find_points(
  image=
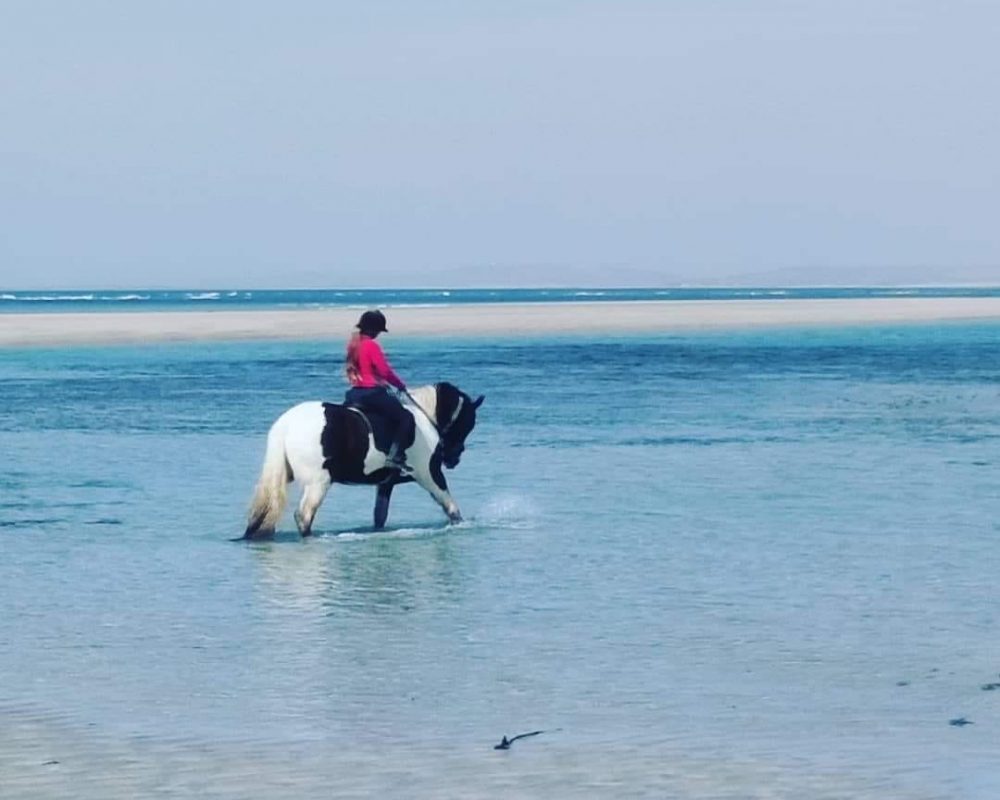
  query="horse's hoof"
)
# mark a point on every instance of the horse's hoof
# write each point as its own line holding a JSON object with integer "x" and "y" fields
{"x": 255, "y": 537}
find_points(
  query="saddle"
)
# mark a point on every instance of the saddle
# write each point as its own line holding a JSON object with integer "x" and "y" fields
{"x": 379, "y": 426}
{"x": 345, "y": 440}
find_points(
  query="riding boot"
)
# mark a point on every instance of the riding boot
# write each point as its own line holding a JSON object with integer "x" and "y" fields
{"x": 397, "y": 459}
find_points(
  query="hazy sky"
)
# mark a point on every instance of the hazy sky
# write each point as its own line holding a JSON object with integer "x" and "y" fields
{"x": 181, "y": 143}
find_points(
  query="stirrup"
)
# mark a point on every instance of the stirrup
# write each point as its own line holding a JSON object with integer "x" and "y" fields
{"x": 399, "y": 466}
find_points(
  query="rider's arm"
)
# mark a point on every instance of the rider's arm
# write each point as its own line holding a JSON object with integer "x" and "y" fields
{"x": 382, "y": 368}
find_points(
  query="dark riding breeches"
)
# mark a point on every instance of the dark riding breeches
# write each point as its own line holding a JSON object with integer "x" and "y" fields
{"x": 379, "y": 400}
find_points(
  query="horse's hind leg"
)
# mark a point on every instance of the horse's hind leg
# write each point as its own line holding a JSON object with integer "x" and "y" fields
{"x": 312, "y": 497}
{"x": 384, "y": 493}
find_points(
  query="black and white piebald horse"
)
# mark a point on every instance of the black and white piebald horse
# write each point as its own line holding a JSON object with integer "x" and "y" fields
{"x": 318, "y": 444}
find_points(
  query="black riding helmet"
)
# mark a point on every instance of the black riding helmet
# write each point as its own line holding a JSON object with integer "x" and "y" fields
{"x": 372, "y": 323}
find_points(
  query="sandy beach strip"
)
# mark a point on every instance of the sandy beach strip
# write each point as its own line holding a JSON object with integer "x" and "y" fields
{"x": 502, "y": 319}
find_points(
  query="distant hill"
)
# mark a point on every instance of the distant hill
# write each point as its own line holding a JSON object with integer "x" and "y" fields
{"x": 861, "y": 276}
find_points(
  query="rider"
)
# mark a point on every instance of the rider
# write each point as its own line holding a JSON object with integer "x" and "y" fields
{"x": 370, "y": 376}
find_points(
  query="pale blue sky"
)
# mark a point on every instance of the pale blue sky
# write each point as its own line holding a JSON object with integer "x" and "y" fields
{"x": 179, "y": 143}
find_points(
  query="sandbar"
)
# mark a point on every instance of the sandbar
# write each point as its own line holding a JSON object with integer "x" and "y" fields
{"x": 492, "y": 320}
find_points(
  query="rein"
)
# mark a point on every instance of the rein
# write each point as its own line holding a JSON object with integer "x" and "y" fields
{"x": 441, "y": 431}
{"x": 423, "y": 411}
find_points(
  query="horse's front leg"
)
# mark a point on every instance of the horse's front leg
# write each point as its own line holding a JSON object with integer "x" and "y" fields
{"x": 432, "y": 479}
{"x": 383, "y": 494}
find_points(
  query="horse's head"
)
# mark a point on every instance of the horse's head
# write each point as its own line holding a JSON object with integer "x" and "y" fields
{"x": 456, "y": 417}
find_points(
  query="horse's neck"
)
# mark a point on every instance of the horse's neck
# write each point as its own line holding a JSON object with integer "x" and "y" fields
{"x": 426, "y": 398}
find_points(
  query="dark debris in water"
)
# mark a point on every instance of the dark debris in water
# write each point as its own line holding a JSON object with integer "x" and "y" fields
{"x": 990, "y": 687}
{"x": 26, "y": 523}
{"x": 505, "y": 743}
{"x": 960, "y": 722}
{"x": 98, "y": 483}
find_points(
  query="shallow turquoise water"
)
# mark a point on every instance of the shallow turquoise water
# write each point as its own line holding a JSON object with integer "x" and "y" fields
{"x": 730, "y": 565}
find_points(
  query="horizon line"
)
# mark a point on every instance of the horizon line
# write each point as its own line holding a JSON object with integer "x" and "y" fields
{"x": 539, "y": 287}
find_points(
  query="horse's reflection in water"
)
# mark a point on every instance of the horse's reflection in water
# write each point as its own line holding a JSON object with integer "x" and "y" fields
{"x": 321, "y": 578}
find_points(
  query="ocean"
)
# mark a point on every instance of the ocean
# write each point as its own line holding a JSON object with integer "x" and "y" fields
{"x": 177, "y": 300}
{"x": 730, "y": 565}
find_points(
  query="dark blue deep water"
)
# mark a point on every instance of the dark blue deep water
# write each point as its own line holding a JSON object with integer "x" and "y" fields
{"x": 220, "y": 299}
{"x": 729, "y": 565}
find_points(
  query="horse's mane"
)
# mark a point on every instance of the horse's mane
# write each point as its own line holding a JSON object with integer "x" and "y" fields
{"x": 426, "y": 398}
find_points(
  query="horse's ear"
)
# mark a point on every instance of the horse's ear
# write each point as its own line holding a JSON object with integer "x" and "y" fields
{"x": 478, "y": 401}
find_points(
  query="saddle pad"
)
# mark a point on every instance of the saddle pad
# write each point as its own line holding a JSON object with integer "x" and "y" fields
{"x": 379, "y": 426}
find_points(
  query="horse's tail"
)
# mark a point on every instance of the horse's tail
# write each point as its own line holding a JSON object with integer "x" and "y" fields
{"x": 270, "y": 496}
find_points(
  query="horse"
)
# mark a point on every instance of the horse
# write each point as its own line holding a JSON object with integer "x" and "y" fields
{"x": 319, "y": 444}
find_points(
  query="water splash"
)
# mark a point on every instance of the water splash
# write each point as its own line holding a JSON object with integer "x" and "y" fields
{"x": 511, "y": 510}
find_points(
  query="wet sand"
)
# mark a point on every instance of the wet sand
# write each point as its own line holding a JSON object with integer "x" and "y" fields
{"x": 44, "y": 757}
{"x": 27, "y": 330}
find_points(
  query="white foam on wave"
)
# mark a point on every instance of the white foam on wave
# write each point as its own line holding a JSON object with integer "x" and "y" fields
{"x": 391, "y": 533}
{"x": 202, "y": 295}
{"x": 53, "y": 298}
{"x": 387, "y": 305}
{"x": 8, "y": 297}
{"x": 506, "y": 511}
{"x": 126, "y": 297}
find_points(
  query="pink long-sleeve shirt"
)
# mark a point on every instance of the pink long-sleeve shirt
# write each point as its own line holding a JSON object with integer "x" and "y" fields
{"x": 367, "y": 366}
